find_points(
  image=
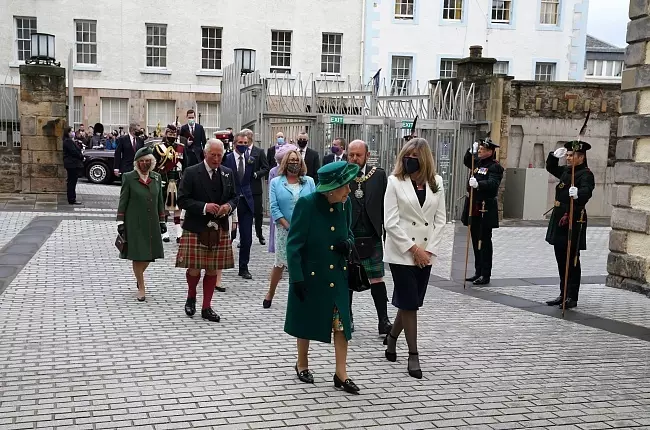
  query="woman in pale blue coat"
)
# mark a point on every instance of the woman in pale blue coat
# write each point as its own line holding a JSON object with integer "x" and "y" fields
{"x": 291, "y": 183}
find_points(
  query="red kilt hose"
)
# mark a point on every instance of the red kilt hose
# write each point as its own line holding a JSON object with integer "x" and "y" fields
{"x": 193, "y": 255}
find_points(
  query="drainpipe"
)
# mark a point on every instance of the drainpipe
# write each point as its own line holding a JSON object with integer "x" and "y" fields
{"x": 363, "y": 39}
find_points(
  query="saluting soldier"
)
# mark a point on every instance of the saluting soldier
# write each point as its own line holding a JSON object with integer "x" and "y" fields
{"x": 368, "y": 191}
{"x": 557, "y": 233}
{"x": 485, "y": 180}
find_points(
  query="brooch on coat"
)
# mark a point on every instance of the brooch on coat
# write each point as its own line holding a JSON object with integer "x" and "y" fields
{"x": 359, "y": 192}
{"x": 251, "y": 160}
{"x": 224, "y": 174}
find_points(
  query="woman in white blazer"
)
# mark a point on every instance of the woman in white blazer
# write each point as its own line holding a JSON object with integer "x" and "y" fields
{"x": 414, "y": 215}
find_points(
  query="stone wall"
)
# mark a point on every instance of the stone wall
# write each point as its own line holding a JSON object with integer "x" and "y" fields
{"x": 628, "y": 263}
{"x": 43, "y": 114}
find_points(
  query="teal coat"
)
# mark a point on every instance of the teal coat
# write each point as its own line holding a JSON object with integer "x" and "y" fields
{"x": 316, "y": 226}
{"x": 141, "y": 208}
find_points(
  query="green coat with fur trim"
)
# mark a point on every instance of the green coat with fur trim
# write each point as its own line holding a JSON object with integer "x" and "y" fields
{"x": 316, "y": 226}
{"x": 141, "y": 207}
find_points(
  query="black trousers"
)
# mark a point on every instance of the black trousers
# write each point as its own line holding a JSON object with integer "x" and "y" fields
{"x": 73, "y": 176}
{"x": 573, "y": 286}
{"x": 258, "y": 214}
{"x": 482, "y": 257}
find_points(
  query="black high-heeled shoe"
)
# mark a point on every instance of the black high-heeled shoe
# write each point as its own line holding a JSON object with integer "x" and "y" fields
{"x": 305, "y": 375}
{"x": 347, "y": 385}
{"x": 414, "y": 373}
{"x": 390, "y": 356}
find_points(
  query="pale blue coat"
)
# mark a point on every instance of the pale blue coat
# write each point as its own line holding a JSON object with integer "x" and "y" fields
{"x": 281, "y": 198}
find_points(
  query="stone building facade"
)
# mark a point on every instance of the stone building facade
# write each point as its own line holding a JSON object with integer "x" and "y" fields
{"x": 628, "y": 263}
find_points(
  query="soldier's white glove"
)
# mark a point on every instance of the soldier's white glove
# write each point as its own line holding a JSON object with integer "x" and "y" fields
{"x": 475, "y": 148}
{"x": 573, "y": 192}
{"x": 559, "y": 153}
{"x": 473, "y": 182}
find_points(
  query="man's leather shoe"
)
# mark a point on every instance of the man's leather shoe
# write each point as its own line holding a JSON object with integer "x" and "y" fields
{"x": 190, "y": 307}
{"x": 569, "y": 304}
{"x": 245, "y": 274}
{"x": 385, "y": 326}
{"x": 555, "y": 301}
{"x": 262, "y": 241}
{"x": 472, "y": 278}
{"x": 210, "y": 315}
{"x": 481, "y": 280}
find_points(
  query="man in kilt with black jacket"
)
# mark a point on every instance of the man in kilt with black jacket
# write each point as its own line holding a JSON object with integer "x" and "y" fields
{"x": 367, "y": 195}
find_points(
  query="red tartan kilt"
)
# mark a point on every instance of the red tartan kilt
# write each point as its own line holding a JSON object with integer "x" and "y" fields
{"x": 193, "y": 255}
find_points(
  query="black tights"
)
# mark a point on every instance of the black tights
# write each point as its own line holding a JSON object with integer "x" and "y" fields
{"x": 407, "y": 321}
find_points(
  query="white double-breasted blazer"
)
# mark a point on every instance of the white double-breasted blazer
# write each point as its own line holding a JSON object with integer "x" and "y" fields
{"x": 408, "y": 224}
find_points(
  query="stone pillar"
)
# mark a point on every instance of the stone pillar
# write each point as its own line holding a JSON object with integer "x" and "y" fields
{"x": 628, "y": 263}
{"x": 43, "y": 112}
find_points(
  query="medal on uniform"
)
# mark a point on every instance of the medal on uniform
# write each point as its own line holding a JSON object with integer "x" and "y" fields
{"x": 358, "y": 193}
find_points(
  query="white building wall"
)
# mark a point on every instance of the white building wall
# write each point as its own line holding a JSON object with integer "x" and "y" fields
{"x": 428, "y": 38}
{"x": 121, "y": 35}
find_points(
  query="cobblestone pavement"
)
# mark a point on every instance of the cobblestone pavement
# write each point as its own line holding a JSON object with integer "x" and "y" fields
{"x": 77, "y": 351}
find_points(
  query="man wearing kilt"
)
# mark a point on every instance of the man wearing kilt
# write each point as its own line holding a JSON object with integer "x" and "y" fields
{"x": 367, "y": 195}
{"x": 207, "y": 194}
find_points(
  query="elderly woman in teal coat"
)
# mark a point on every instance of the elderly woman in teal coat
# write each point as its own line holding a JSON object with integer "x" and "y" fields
{"x": 320, "y": 239}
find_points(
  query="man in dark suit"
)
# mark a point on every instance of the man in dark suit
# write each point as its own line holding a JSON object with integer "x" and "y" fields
{"x": 126, "y": 148}
{"x": 260, "y": 171}
{"x": 243, "y": 168}
{"x": 207, "y": 194}
{"x": 193, "y": 132}
{"x": 337, "y": 152}
{"x": 367, "y": 196}
{"x": 270, "y": 154}
{"x": 311, "y": 157}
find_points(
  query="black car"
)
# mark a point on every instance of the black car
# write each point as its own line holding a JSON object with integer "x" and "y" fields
{"x": 98, "y": 164}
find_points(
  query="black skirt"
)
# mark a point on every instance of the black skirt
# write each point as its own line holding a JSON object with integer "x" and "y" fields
{"x": 409, "y": 286}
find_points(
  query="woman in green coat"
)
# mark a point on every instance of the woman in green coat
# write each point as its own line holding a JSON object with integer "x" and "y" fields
{"x": 141, "y": 216}
{"x": 320, "y": 239}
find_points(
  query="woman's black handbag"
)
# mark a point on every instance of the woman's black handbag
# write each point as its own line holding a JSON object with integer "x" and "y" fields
{"x": 120, "y": 243}
{"x": 357, "y": 277}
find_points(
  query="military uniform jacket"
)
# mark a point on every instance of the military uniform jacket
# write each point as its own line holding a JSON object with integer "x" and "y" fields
{"x": 558, "y": 225}
{"x": 488, "y": 172}
{"x": 316, "y": 226}
{"x": 370, "y": 207}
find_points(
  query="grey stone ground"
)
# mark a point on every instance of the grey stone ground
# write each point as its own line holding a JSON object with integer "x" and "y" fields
{"x": 77, "y": 350}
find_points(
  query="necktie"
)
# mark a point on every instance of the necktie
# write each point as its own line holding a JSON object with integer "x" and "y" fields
{"x": 240, "y": 168}
{"x": 133, "y": 143}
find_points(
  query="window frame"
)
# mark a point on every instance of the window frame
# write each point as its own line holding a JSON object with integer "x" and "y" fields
{"x": 153, "y": 46}
{"x": 325, "y": 56}
{"x": 90, "y": 43}
{"x": 405, "y": 80}
{"x": 400, "y": 5}
{"x": 543, "y": 6}
{"x": 77, "y": 112}
{"x": 603, "y": 68}
{"x": 499, "y": 62}
{"x": 454, "y": 67}
{"x": 537, "y": 74}
{"x": 447, "y": 8}
{"x": 503, "y": 10}
{"x": 281, "y": 54}
{"x": 151, "y": 128}
{"x": 111, "y": 124}
{"x": 207, "y": 49}
{"x": 27, "y": 42}
{"x": 201, "y": 108}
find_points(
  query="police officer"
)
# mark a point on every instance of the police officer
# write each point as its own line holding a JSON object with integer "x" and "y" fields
{"x": 557, "y": 233}
{"x": 485, "y": 180}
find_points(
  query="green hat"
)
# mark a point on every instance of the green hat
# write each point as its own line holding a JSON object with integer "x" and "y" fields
{"x": 335, "y": 175}
{"x": 143, "y": 152}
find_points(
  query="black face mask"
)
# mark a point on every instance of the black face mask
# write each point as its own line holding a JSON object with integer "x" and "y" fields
{"x": 139, "y": 133}
{"x": 411, "y": 165}
{"x": 171, "y": 139}
{"x": 302, "y": 143}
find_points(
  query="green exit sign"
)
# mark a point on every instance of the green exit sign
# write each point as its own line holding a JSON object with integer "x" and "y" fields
{"x": 407, "y": 124}
{"x": 336, "y": 119}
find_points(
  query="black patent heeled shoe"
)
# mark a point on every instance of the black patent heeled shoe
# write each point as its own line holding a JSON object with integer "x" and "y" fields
{"x": 414, "y": 373}
{"x": 390, "y": 356}
{"x": 305, "y": 375}
{"x": 348, "y": 385}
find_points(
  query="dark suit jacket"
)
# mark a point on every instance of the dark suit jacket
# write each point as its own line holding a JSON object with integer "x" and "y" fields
{"x": 329, "y": 158}
{"x": 312, "y": 160}
{"x": 192, "y": 154}
{"x": 196, "y": 190}
{"x": 199, "y": 134}
{"x": 270, "y": 157}
{"x": 72, "y": 156}
{"x": 243, "y": 188}
{"x": 124, "y": 153}
{"x": 260, "y": 169}
{"x": 374, "y": 190}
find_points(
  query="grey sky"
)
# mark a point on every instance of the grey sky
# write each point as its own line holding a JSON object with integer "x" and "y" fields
{"x": 608, "y": 20}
